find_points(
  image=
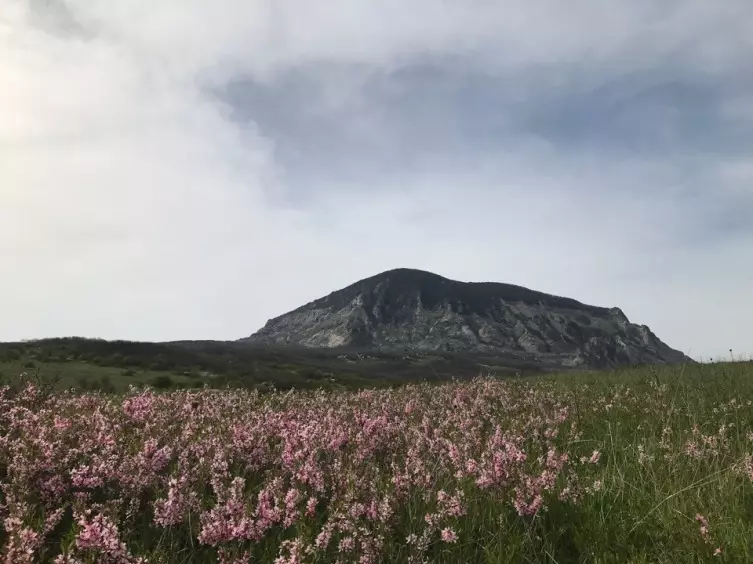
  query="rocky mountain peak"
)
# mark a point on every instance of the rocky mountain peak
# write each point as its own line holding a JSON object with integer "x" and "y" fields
{"x": 414, "y": 310}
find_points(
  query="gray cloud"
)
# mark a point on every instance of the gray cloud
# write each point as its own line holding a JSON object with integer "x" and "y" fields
{"x": 55, "y": 18}
{"x": 182, "y": 170}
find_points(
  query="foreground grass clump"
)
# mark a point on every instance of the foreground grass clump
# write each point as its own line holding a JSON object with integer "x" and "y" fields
{"x": 650, "y": 465}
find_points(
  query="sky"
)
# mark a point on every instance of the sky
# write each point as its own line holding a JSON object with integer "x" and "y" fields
{"x": 186, "y": 169}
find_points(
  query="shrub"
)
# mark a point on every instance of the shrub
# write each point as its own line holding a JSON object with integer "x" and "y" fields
{"x": 12, "y": 354}
{"x": 162, "y": 382}
{"x": 106, "y": 385}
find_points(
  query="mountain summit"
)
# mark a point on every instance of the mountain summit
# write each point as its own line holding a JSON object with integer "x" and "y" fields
{"x": 417, "y": 311}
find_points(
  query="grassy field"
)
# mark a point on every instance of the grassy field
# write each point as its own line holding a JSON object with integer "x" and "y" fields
{"x": 86, "y": 376}
{"x": 95, "y": 364}
{"x": 643, "y": 465}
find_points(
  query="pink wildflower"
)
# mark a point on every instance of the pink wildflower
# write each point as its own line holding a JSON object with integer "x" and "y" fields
{"x": 448, "y": 535}
{"x": 704, "y": 526}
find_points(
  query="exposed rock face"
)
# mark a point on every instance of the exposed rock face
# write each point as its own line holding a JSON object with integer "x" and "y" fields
{"x": 422, "y": 312}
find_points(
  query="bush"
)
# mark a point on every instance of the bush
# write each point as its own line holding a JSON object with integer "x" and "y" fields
{"x": 12, "y": 354}
{"x": 83, "y": 384}
{"x": 117, "y": 360}
{"x": 311, "y": 374}
{"x": 162, "y": 382}
{"x": 106, "y": 385}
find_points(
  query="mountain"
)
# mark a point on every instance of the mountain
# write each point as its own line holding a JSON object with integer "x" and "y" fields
{"x": 420, "y": 312}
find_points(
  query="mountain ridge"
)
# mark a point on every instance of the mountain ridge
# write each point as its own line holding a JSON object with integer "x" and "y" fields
{"x": 420, "y": 311}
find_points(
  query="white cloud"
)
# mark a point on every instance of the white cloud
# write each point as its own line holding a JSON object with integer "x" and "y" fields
{"x": 132, "y": 204}
{"x": 127, "y": 197}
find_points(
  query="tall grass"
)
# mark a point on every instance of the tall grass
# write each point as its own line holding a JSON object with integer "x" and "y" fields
{"x": 644, "y": 465}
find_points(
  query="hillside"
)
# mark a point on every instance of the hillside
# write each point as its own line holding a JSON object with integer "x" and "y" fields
{"x": 116, "y": 365}
{"x": 417, "y": 311}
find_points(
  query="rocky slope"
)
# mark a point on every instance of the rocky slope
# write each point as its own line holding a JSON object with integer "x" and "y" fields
{"x": 419, "y": 311}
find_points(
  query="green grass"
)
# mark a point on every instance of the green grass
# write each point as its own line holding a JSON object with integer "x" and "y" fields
{"x": 84, "y": 376}
{"x": 651, "y": 486}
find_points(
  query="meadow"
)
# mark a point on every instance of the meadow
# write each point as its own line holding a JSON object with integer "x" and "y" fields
{"x": 651, "y": 464}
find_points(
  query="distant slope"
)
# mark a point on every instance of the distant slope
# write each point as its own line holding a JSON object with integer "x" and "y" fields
{"x": 418, "y": 311}
{"x": 116, "y": 365}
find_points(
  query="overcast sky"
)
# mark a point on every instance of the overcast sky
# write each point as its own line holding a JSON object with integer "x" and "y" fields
{"x": 187, "y": 169}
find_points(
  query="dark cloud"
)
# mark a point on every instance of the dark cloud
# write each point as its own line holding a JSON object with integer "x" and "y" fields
{"x": 425, "y": 114}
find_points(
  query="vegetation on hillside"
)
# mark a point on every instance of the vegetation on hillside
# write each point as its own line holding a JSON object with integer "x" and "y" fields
{"x": 646, "y": 465}
{"x": 96, "y": 364}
